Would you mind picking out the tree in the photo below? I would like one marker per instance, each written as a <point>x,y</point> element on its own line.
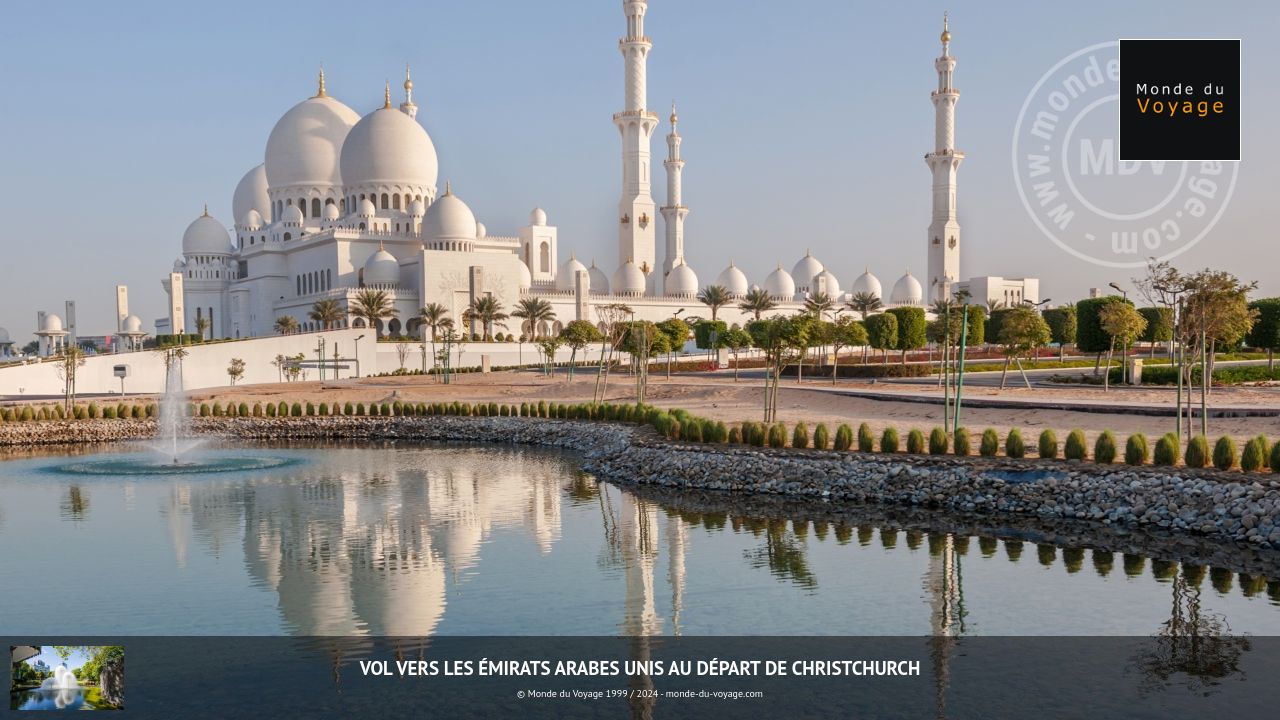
<point>548,347</point>
<point>736,340</point>
<point>818,305</point>
<point>1159,326</point>
<point>402,352</point>
<point>977,332</point>
<point>1216,314</point>
<point>286,324</point>
<point>202,326</point>
<point>714,297</point>
<point>374,306</point>
<point>995,322</point>
<point>912,329</point>
<point>432,316</point>
<point>677,332</point>
<point>577,335</point>
<point>1123,323</point>
<point>1090,337</point>
<point>882,332</point>
<point>845,332</point>
<point>706,333</point>
<point>864,302</point>
<point>1265,333</point>
<point>994,304</point>
<point>532,312</point>
<point>757,302</point>
<point>487,311</point>
<point>779,338</point>
<point>69,362</point>
<point>326,313</point>
<point>611,317</point>
<point>235,370</point>
<point>1062,326</point>
<point>1022,332</point>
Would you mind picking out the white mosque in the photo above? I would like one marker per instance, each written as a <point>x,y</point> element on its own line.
<point>343,202</point>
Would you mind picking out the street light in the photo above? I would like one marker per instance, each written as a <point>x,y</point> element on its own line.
<point>1123,293</point>
<point>1037,305</point>
<point>357,358</point>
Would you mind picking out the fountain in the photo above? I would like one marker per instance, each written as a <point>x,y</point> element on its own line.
<point>172,425</point>
<point>63,679</point>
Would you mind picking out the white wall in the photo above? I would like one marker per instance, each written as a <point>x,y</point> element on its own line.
<point>204,367</point>
<point>500,355</point>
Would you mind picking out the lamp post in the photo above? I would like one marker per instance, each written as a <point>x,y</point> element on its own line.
<point>1124,351</point>
<point>1176,360</point>
<point>320,355</point>
<point>358,339</point>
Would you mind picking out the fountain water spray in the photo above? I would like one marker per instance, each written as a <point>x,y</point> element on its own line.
<point>172,426</point>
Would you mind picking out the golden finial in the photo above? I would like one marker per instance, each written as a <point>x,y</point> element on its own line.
<point>320,92</point>
<point>386,96</point>
<point>674,118</point>
<point>448,187</point>
<point>946,33</point>
<point>206,210</point>
<point>408,81</point>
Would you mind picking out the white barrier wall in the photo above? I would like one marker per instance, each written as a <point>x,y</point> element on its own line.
<point>204,367</point>
<point>500,355</point>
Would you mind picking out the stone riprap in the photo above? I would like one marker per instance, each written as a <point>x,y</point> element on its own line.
<point>1225,506</point>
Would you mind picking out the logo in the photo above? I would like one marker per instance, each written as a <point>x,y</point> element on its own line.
<point>1072,182</point>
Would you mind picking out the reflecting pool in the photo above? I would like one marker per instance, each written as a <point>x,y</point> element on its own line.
<point>410,540</point>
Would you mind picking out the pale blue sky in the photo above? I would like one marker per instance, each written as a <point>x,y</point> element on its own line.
<point>804,126</point>
<point>50,657</point>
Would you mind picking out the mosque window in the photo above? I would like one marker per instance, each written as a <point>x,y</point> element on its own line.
<point>298,282</point>
<point>544,258</point>
<point>395,202</point>
<point>315,207</point>
<point>288,237</point>
<point>328,281</point>
<point>385,201</point>
<point>362,226</point>
<point>289,202</point>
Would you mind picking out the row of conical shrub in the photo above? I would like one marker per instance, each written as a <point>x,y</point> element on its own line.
<point>91,411</point>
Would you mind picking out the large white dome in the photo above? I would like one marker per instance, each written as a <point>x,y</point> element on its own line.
<point>779,285</point>
<point>449,218</point>
<point>805,270</point>
<point>305,145</point>
<point>389,148</point>
<point>628,280</point>
<point>682,282</point>
<point>868,283</point>
<point>599,281</point>
<point>206,236</point>
<point>52,324</point>
<point>568,274</point>
<point>251,194</point>
<point>381,269</point>
<point>907,291</point>
<point>833,284</point>
<point>733,280</point>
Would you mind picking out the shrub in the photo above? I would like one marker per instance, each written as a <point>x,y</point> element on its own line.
<point>889,441</point>
<point>800,436</point>
<point>1075,448</point>
<point>721,433</point>
<point>386,410</point>
<point>1136,450</point>
<point>866,440</point>
<point>139,412</point>
<point>271,409</point>
<point>1265,444</point>
<point>937,441</point>
<point>244,409</point>
<point>348,409</point>
<point>960,444</point>
<point>109,413</point>
<point>989,446</point>
<point>844,437</point>
<point>360,408</point>
<point>915,442</point>
<point>1047,447</point>
<point>1224,453</point>
<point>322,409</point>
<point>1274,463</point>
<point>821,437</point>
<point>257,409</point>
<point>693,432</point>
<point>296,409</point>
<point>311,408</point>
<point>735,435</point>
<point>1197,452</point>
<point>757,434</point>
<point>94,411</point>
<point>282,409</point>
<point>1104,449</point>
<point>218,410</point>
<point>204,410</point>
<point>231,410</point>
<point>1166,452</point>
<point>1014,446</point>
<point>778,436</point>
<point>1254,457</point>
<point>542,409</point>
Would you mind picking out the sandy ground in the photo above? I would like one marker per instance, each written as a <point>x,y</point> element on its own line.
<point>812,401</point>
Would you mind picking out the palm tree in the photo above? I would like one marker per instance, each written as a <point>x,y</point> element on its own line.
<point>432,317</point>
<point>864,302</point>
<point>714,297</point>
<point>373,306</point>
<point>994,304</point>
<point>286,324</point>
<point>488,312</point>
<point>757,302</point>
<point>533,312</point>
<point>326,312</point>
<point>818,305</point>
<point>202,327</point>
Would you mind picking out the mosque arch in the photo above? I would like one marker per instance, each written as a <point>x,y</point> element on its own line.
<point>393,327</point>
<point>395,201</point>
<point>288,237</point>
<point>386,202</point>
<point>315,207</point>
<point>544,257</point>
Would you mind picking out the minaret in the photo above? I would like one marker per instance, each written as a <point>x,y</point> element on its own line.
<point>407,107</point>
<point>636,221</point>
<point>944,162</point>
<point>674,212</point>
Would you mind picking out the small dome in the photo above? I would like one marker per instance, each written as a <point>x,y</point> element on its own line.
<point>449,218</point>
<point>381,269</point>
<point>907,291</point>
<point>481,230</point>
<point>805,270</point>
<point>387,147</point>
<point>682,282</point>
<point>206,236</point>
<point>628,280</point>
<point>867,283</point>
<point>367,208</point>
<point>292,215</point>
<point>538,217</point>
<point>526,277</point>
<point>251,194</point>
<point>133,324</point>
<point>331,212</point>
<point>833,285</point>
<point>733,280</point>
<point>305,144</point>
<point>52,324</point>
<point>780,285</point>
<point>251,220</point>
<point>568,274</point>
<point>599,281</point>
<point>417,208</point>
<point>179,264</point>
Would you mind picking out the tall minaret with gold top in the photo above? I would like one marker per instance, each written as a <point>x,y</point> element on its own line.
<point>944,163</point>
<point>637,224</point>
<point>674,212</point>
